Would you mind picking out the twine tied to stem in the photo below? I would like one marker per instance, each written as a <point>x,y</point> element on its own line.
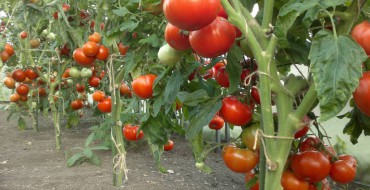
<point>119,161</point>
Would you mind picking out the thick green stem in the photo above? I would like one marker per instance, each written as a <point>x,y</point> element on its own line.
<point>56,117</point>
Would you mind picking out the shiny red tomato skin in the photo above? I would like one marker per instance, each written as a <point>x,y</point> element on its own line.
<point>77,104</point>
<point>94,81</point>
<point>176,38</point>
<point>289,181</point>
<point>342,171</point>
<point>168,146</point>
<point>362,93</point>
<point>122,49</point>
<point>143,86</point>
<point>216,123</point>
<point>255,95</point>
<point>19,75</point>
<point>130,132</point>
<point>191,15</point>
<point>103,53</point>
<point>82,59</point>
<point>213,40</point>
<point>222,77</point>
<point>31,74</point>
<point>105,105</point>
<point>311,166</point>
<point>22,89</point>
<point>235,112</point>
<point>348,158</point>
<point>361,33</point>
<point>309,143</point>
<point>239,160</point>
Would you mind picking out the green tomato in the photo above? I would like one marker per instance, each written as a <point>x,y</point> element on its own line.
<point>249,135</point>
<point>51,36</point>
<point>74,72</point>
<point>86,73</point>
<point>168,55</point>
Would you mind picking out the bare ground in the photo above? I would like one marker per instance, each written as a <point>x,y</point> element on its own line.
<point>28,160</point>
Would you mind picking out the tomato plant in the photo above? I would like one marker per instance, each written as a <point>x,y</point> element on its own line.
<point>312,166</point>
<point>143,86</point>
<point>213,40</point>
<point>199,13</point>
<point>131,132</point>
<point>168,146</point>
<point>235,112</point>
<point>216,123</point>
<point>361,33</point>
<point>362,93</point>
<point>105,105</point>
<point>239,160</point>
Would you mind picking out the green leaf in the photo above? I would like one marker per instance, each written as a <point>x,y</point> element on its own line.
<point>21,124</point>
<point>122,11</point>
<point>95,160</point>
<point>129,25</point>
<point>157,105</point>
<point>88,153</point>
<point>173,87</point>
<point>75,159</point>
<point>194,98</point>
<point>234,68</point>
<point>201,116</point>
<point>89,139</point>
<point>287,16</point>
<point>358,123</point>
<point>336,68</point>
<point>153,40</point>
<point>99,148</point>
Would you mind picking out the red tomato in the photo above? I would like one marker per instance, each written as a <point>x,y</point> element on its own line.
<point>223,13</point>
<point>9,82</point>
<point>329,152</point>
<point>362,93</point>
<point>309,143</point>
<point>23,35</point>
<point>103,53</point>
<point>65,50</point>
<point>176,38</point>
<point>95,37</point>
<point>311,166</point>
<point>291,182</point>
<point>342,171</point>
<point>4,56</point>
<point>122,49</point>
<point>22,89</point>
<point>191,15</point>
<point>94,81</point>
<point>255,95</point>
<point>124,90</point>
<point>90,49</point>
<point>248,177</point>
<point>222,77</point>
<point>239,160</point>
<point>348,158</point>
<point>235,112</point>
<point>31,74</point>
<point>216,123</point>
<point>9,49</point>
<point>143,86</point>
<point>80,88</point>
<point>14,97</point>
<point>305,127</point>
<point>244,77</point>
<point>130,132</point>
<point>105,105</point>
<point>82,59</point>
<point>213,40</point>
<point>168,146</point>
<point>77,104</point>
<point>361,33</point>
<point>98,96</point>
<point>66,7</point>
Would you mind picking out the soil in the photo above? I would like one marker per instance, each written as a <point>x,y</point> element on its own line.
<point>28,160</point>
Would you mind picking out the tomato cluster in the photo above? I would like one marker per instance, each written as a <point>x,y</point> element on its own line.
<point>91,50</point>
<point>7,52</point>
<point>132,133</point>
<point>104,102</point>
<point>200,27</point>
